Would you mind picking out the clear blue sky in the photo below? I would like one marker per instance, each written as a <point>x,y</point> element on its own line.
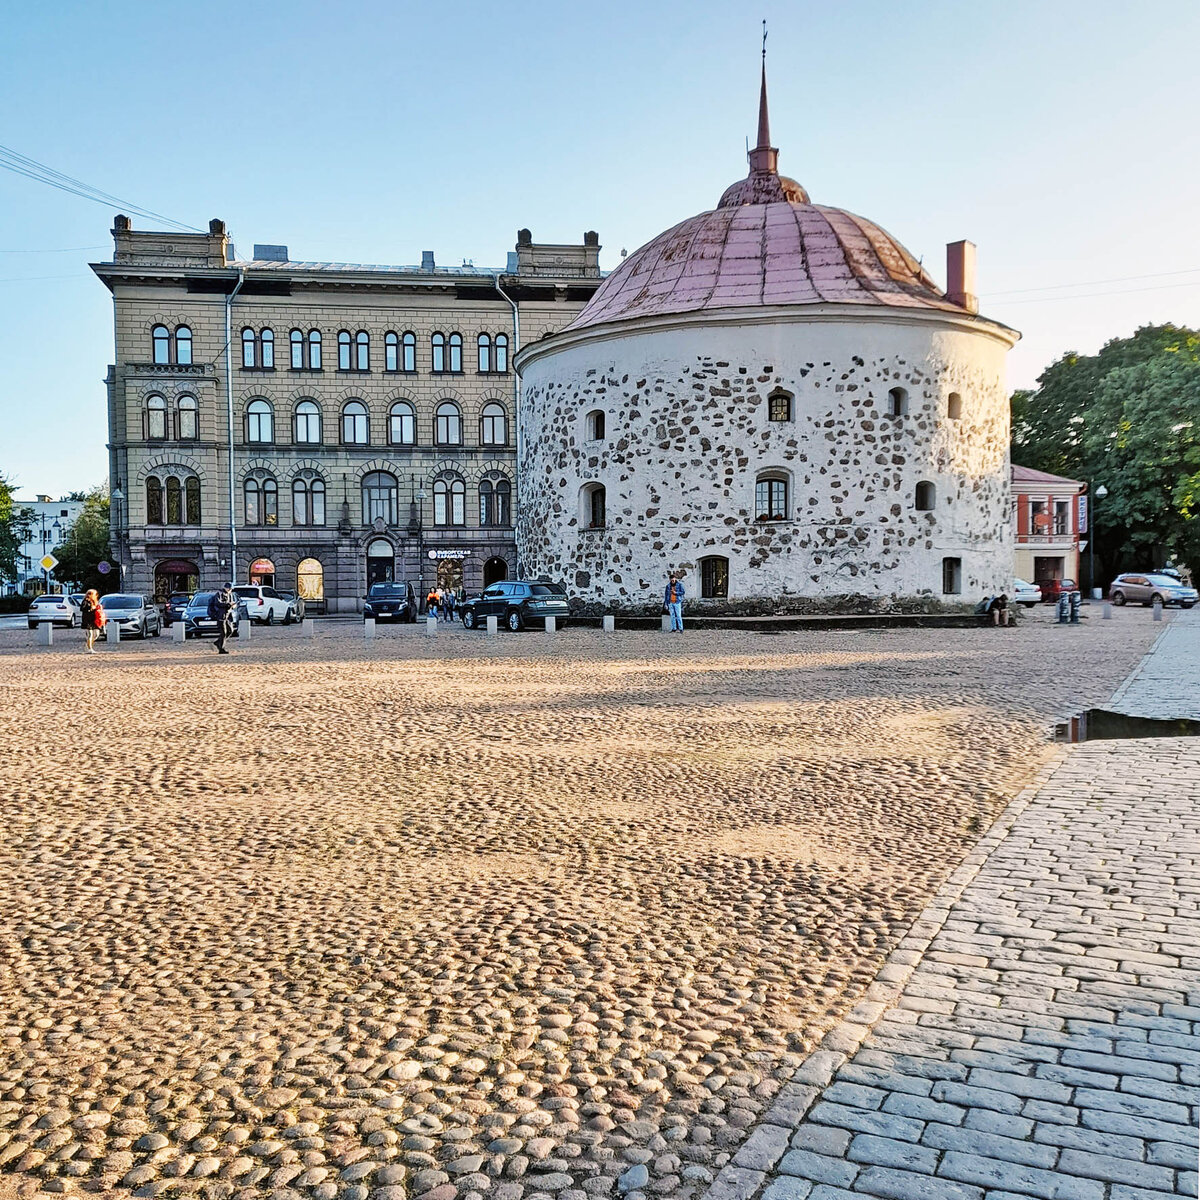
<point>1061,137</point>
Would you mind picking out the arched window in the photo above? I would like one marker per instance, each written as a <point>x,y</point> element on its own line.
<point>308,501</point>
<point>410,352</point>
<point>437,345</point>
<point>456,353</point>
<point>174,501</point>
<point>248,359</point>
<point>592,506</point>
<point>183,345</point>
<point>771,498</point>
<point>714,578</point>
<point>954,406</point>
<point>449,502</point>
<point>448,425</point>
<point>310,579</point>
<point>485,353</point>
<point>354,424</point>
<point>391,352</point>
<point>379,497</point>
<point>362,349</point>
<point>156,418</point>
<point>314,349</point>
<point>262,501</point>
<point>154,501</point>
<point>501,359</point>
<point>344,350</point>
<point>267,348</point>
<point>493,425</point>
<point>402,424</point>
<point>191,489</point>
<point>160,344</point>
<point>897,402</point>
<point>594,424</point>
<point>308,423</point>
<point>296,339</point>
<point>252,492</point>
<point>188,425</point>
<point>495,502</point>
<point>926,496</point>
<point>260,425</point>
<point>486,496</point>
<point>779,405</point>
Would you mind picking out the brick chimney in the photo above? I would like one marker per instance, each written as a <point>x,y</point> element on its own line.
<point>960,275</point>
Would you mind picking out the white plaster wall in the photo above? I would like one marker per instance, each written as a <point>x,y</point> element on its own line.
<point>687,435</point>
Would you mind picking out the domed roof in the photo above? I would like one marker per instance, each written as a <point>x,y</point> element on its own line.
<point>764,244</point>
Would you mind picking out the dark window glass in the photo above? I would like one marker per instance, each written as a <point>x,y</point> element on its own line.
<point>485,503</point>
<point>270,502</point>
<point>714,578</point>
<point>154,501</point>
<point>779,406</point>
<point>951,576</point>
<point>926,496</point>
<point>251,491</point>
<point>770,500</point>
<point>192,498</point>
<point>174,501</point>
<point>502,509</point>
<point>595,507</point>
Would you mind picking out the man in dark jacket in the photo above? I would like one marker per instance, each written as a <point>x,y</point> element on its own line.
<point>220,609</point>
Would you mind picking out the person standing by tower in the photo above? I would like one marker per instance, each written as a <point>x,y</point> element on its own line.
<point>673,601</point>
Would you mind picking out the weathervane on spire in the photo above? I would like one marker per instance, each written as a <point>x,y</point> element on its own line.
<point>764,41</point>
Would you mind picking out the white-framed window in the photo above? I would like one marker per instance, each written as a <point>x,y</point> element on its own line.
<point>771,498</point>
<point>260,422</point>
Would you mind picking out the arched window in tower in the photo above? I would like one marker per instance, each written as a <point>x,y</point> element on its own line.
<point>156,418</point>
<point>409,346</point>
<point>296,341</point>
<point>501,353</point>
<point>493,424</point>
<point>593,506</point>
<point>897,402</point>
<point>771,497</point>
<point>437,347</point>
<point>391,352</point>
<point>779,405</point>
<point>191,496</point>
<point>926,496</point>
<point>714,578</point>
<point>455,354</point>
<point>344,350</point>
<point>183,345</point>
<point>248,357</point>
<point>160,345</point>
<point>188,423</point>
<point>267,347</point>
<point>314,349</point>
<point>154,501</point>
<point>954,406</point>
<point>484,344</point>
<point>362,351</point>
<point>174,501</point>
<point>594,425</point>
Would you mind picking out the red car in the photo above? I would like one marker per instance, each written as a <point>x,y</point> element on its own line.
<point>1053,588</point>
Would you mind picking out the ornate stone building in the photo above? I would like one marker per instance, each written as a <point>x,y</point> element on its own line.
<point>320,425</point>
<point>774,397</point>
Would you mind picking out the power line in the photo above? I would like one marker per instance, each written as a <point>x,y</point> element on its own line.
<point>1162,287</point>
<point>1058,287</point>
<point>20,164</point>
<point>56,250</point>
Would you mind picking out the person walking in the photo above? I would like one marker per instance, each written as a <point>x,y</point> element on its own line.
<point>431,604</point>
<point>91,617</point>
<point>673,601</point>
<point>450,603</point>
<point>221,610</point>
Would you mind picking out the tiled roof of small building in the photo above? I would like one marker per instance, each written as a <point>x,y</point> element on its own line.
<point>1029,475</point>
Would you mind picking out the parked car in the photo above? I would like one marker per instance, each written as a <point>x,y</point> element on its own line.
<point>134,615</point>
<point>1026,593</point>
<point>296,601</point>
<point>517,603</point>
<point>55,608</point>
<point>1053,588</point>
<point>175,607</point>
<point>265,605</point>
<point>391,602</point>
<point>1131,588</point>
<point>197,622</point>
<point>77,599</point>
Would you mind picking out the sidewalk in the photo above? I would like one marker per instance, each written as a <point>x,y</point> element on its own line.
<point>1037,1033</point>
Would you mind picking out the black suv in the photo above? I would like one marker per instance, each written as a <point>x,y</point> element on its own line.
<point>517,603</point>
<point>390,602</point>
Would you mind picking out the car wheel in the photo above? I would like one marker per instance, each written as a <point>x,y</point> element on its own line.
<point>1185,604</point>
<point>270,617</point>
<point>1118,598</point>
<point>158,629</point>
<point>515,621</point>
<point>468,619</point>
<point>144,632</point>
<point>289,617</point>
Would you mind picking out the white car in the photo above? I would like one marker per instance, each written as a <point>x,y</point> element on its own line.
<point>265,605</point>
<point>54,607</point>
<point>1026,593</point>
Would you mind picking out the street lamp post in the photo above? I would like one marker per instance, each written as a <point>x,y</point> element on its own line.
<point>1099,494</point>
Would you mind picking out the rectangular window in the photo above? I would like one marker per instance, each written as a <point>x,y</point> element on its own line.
<point>770,500</point>
<point>1062,517</point>
<point>714,578</point>
<point>951,576</point>
<point>1039,517</point>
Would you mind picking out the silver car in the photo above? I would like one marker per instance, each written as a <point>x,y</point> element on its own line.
<point>55,608</point>
<point>1132,588</point>
<point>133,615</point>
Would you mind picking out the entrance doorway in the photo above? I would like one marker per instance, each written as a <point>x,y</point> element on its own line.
<point>175,575</point>
<point>381,562</point>
<point>494,570</point>
<point>450,575</point>
<point>262,572</point>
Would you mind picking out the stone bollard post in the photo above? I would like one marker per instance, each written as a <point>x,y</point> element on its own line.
<point>310,627</point>
<point>551,624</point>
<point>1158,609</point>
<point>610,623</point>
<point>45,633</point>
<point>493,625</point>
<point>666,622</point>
<point>1106,612</point>
<point>369,628</point>
<point>243,628</point>
<point>112,633</point>
<point>179,632</point>
<point>431,626</point>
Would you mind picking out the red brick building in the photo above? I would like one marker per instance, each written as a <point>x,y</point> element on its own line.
<point>1050,515</point>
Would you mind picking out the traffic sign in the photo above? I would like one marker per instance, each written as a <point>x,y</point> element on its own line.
<point>104,567</point>
<point>48,563</point>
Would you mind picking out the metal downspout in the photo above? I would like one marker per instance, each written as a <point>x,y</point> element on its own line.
<point>229,418</point>
<point>516,404</point>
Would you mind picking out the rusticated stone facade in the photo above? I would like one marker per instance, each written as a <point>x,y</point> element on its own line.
<point>908,508</point>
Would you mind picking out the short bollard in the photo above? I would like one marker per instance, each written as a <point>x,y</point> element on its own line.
<point>369,628</point>
<point>178,632</point>
<point>112,633</point>
<point>1158,609</point>
<point>1097,593</point>
<point>310,627</point>
<point>551,624</point>
<point>243,628</point>
<point>45,633</point>
<point>1106,612</point>
<point>431,626</point>
<point>666,623</point>
<point>493,625</point>
<point>610,623</point>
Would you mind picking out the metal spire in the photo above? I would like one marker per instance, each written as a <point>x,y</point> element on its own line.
<point>764,157</point>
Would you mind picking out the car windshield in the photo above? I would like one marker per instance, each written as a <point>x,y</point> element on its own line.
<point>246,591</point>
<point>200,598</point>
<point>542,589</point>
<point>1165,581</point>
<point>386,589</point>
<point>119,601</point>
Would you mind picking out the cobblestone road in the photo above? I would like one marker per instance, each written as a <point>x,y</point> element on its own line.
<point>522,917</point>
<point>1047,1041</point>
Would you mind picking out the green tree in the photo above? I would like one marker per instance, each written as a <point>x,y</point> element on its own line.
<point>14,530</point>
<point>86,544</point>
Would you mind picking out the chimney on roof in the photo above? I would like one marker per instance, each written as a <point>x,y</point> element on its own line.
<point>960,275</point>
<point>426,260</point>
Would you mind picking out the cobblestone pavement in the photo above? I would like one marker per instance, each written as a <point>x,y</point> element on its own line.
<point>516,917</point>
<point>1038,1035</point>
